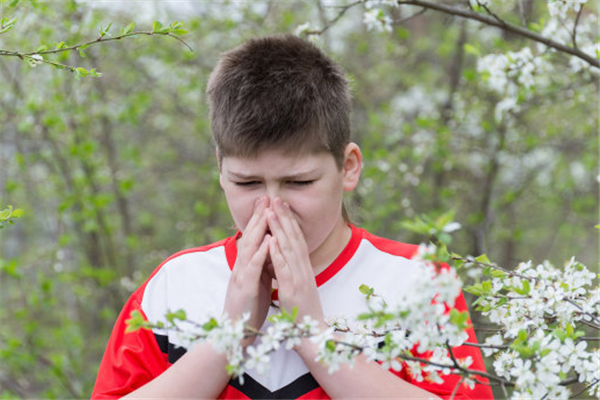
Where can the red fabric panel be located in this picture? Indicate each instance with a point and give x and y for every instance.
(131, 359)
(232, 393)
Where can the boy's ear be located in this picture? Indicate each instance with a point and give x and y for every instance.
(351, 167)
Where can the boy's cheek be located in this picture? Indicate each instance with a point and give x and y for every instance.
(241, 210)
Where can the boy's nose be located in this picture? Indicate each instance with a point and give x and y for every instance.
(272, 193)
(272, 196)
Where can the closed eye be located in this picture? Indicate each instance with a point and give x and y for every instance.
(301, 183)
(249, 183)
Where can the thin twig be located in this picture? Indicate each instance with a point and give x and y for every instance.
(343, 11)
(576, 395)
(522, 13)
(101, 39)
(589, 339)
(503, 386)
(574, 34)
(403, 20)
(485, 346)
(471, 260)
(496, 17)
(456, 388)
(592, 316)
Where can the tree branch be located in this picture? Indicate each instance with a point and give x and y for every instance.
(336, 19)
(488, 20)
(101, 39)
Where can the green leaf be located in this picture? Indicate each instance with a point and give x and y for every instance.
(104, 32)
(470, 49)
(459, 319)
(179, 31)
(41, 48)
(81, 72)
(176, 24)
(10, 268)
(330, 345)
(502, 302)
(210, 325)
(95, 73)
(6, 24)
(458, 264)
(171, 316)
(366, 290)
(156, 25)
(560, 334)
(135, 322)
(526, 287)
(128, 29)
(483, 259)
(498, 274)
(476, 289)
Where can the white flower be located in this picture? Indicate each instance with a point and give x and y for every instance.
(495, 340)
(504, 362)
(375, 19)
(300, 29)
(34, 60)
(451, 227)
(561, 7)
(304, 29)
(258, 359)
(475, 3)
(574, 354)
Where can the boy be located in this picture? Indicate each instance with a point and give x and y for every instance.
(280, 119)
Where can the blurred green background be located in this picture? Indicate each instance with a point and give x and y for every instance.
(118, 172)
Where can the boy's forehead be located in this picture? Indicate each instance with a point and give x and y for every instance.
(276, 162)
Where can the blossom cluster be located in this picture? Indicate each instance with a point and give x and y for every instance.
(512, 74)
(541, 311)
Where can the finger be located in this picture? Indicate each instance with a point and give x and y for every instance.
(255, 266)
(280, 266)
(256, 227)
(283, 242)
(285, 215)
(259, 207)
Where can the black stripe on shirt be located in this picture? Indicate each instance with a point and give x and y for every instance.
(173, 352)
(255, 390)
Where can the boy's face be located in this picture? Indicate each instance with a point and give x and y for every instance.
(312, 185)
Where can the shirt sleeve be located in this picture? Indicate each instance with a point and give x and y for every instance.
(445, 390)
(131, 359)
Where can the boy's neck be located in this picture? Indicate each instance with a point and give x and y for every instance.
(331, 248)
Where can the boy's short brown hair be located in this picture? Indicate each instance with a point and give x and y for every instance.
(279, 92)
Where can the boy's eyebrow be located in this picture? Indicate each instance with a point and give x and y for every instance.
(297, 176)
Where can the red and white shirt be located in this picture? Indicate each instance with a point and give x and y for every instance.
(195, 280)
